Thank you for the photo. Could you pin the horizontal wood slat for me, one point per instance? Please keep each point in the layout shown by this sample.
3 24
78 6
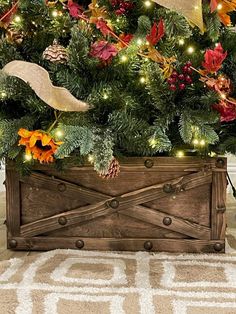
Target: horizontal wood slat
156 217
107 244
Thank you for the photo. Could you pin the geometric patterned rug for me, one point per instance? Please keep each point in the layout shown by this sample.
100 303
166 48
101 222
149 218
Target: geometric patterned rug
86 282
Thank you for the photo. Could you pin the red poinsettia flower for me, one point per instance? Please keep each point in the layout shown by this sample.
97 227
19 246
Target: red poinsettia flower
157 32
103 27
125 39
7 17
213 5
74 9
214 59
227 111
103 50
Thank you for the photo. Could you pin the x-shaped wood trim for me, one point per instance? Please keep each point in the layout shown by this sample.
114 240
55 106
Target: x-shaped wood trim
128 204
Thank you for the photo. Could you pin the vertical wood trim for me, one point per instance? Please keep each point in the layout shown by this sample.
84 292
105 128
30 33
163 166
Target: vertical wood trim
218 206
13 203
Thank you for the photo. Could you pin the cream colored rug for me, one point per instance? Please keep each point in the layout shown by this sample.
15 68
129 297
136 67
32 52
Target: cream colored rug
82 282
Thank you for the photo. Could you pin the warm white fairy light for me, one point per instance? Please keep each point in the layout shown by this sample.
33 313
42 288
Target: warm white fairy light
54 13
147 3
117 20
17 19
27 157
152 142
59 133
139 41
3 94
180 154
219 6
223 96
91 158
181 41
105 96
123 58
190 50
142 80
195 142
202 143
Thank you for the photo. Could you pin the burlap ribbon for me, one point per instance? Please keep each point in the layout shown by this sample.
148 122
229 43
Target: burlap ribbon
191 9
38 78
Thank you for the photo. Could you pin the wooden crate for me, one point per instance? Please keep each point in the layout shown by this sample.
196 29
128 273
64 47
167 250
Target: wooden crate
156 204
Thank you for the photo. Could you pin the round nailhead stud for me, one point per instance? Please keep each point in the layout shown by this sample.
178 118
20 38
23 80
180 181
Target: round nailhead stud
79 244
218 247
148 245
220 163
12 243
167 221
168 188
61 187
114 204
62 220
148 163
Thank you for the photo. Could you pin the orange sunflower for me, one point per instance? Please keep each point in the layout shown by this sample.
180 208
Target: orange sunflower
39 145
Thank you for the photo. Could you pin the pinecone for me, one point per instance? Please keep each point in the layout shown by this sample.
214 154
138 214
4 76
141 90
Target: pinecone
113 170
56 53
14 36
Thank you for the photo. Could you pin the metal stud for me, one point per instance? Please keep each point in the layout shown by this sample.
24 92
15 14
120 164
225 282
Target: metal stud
148 163
79 244
62 220
220 163
12 243
114 204
148 245
61 187
218 247
168 188
167 221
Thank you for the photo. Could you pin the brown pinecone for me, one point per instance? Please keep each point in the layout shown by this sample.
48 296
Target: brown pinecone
113 170
56 53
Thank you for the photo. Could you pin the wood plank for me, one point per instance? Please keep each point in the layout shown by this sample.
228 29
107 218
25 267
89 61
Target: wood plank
68 189
156 217
8 254
108 244
13 195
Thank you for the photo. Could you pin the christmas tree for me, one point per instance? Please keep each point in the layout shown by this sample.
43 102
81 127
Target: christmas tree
115 78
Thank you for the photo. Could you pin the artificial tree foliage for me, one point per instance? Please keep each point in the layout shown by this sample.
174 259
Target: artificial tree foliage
134 108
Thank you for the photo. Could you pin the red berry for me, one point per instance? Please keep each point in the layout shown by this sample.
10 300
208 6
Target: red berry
181 77
188 79
185 69
182 86
173 87
174 74
189 64
189 71
171 80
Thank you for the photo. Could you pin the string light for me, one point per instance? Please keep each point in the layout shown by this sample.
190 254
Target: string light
153 142
17 19
59 133
202 143
117 20
190 50
181 42
3 94
105 96
219 6
147 3
27 157
222 95
195 142
139 41
142 80
180 154
124 58
91 159
54 13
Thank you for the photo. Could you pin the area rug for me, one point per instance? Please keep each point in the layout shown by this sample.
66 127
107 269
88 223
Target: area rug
83 282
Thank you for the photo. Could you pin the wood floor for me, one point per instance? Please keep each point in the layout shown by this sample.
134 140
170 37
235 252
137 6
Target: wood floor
7 254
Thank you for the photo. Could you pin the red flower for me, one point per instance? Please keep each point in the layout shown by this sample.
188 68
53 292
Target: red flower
103 50
213 5
214 59
103 27
157 32
74 9
227 111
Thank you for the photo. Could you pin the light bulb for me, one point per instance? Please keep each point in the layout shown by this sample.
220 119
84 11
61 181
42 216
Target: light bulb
27 157
139 41
190 49
195 141
54 13
124 58
17 19
142 80
152 142
91 158
147 3
219 6
117 20
3 94
202 142
181 42
222 95
180 154
105 96
59 133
